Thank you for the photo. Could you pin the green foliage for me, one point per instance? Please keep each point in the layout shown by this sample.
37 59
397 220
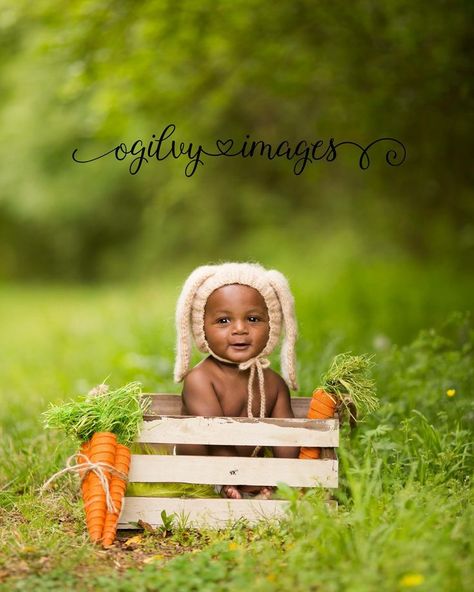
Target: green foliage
138 489
349 375
422 428
405 495
305 70
436 362
119 411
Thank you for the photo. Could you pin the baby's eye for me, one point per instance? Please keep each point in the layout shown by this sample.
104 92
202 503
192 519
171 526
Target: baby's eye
223 320
254 319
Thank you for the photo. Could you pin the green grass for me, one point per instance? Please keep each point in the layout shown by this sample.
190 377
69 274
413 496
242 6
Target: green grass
405 497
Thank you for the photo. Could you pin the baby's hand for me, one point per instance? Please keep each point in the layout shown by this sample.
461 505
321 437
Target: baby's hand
231 492
265 492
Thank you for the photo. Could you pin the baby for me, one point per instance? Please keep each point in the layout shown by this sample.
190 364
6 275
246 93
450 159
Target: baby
235 312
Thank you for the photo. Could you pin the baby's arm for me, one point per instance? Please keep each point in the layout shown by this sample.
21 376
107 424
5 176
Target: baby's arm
282 408
199 398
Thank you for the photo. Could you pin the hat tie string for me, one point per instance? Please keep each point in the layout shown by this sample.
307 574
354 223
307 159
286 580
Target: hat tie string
256 365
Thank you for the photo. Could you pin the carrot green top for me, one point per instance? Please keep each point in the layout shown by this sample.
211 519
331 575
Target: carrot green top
349 375
119 411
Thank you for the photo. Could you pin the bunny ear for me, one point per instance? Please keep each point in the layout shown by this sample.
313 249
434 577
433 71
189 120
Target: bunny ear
288 356
183 319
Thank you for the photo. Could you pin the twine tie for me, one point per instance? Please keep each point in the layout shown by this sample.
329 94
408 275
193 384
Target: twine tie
86 467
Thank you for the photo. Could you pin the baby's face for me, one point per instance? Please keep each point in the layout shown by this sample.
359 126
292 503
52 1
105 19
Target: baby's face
236 322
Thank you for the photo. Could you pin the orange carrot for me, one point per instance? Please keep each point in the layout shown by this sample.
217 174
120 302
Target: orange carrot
118 486
85 451
102 449
310 453
85 478
322 406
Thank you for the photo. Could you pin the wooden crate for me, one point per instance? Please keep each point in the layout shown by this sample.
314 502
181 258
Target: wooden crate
165 425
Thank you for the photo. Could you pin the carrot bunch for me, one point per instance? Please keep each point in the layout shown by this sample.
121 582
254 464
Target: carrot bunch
346 387
102 521
105 424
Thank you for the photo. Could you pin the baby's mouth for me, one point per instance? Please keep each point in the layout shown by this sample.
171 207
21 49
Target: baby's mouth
240 346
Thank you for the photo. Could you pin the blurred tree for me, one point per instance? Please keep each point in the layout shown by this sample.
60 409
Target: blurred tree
90 74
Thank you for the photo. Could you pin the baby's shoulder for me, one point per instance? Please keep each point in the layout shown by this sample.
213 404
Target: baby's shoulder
198 395
200 375
274 380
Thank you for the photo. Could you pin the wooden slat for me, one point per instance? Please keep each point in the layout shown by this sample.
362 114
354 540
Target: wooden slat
241 431
300 406
328 453
198 512
165 404
238 470
170 404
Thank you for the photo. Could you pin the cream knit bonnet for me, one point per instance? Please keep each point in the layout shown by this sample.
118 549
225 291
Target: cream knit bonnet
274 289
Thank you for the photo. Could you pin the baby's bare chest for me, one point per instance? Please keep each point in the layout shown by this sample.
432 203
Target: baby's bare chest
233 397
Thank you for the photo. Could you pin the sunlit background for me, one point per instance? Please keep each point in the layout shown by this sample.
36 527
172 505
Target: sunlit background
95 74
372 255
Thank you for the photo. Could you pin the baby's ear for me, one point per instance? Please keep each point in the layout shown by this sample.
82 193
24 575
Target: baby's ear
288 355
183 318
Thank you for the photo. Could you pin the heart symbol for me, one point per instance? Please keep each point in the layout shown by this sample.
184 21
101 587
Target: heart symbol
224 146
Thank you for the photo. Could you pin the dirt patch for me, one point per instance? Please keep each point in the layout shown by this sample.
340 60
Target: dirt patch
131 550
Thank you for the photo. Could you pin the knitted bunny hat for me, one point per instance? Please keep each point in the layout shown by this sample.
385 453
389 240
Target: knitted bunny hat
274 289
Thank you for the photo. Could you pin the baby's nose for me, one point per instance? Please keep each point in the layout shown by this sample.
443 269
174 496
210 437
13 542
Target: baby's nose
240 326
